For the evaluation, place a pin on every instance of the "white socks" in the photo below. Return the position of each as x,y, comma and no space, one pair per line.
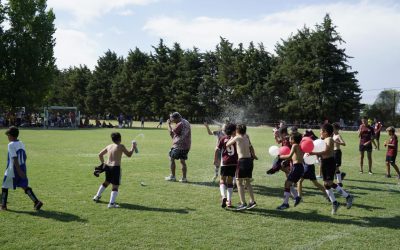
113,196
100,191
222,189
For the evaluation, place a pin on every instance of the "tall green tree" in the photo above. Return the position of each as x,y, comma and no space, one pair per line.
98,100
29,60
385,107
312,78
2,54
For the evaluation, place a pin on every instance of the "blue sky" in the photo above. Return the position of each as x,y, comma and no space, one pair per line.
88,28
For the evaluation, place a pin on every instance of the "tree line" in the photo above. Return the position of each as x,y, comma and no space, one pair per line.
307,76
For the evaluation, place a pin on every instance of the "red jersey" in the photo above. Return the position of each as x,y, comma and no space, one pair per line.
229,154
392,150
378,127
366,133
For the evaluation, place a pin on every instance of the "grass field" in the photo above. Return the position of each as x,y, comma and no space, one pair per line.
165,215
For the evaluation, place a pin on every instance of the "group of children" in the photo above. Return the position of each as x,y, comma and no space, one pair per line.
233,158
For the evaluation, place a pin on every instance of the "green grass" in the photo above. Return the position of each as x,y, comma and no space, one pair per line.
175,215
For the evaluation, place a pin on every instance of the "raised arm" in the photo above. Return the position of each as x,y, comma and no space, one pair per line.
231,141
126,152
208,128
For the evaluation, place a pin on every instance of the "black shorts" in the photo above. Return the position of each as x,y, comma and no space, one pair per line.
228,170
113,174
309,172
391,159
244,168
177,154
296,172
328,167
337,155
367,148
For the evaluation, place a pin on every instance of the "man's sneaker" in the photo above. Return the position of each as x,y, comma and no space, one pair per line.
283,206
370,172
241,207
37,205
3,208
349,201
335,207
361,172
113,205
96,198
223,202
170,178
252,205
229,204
297,201
183,180
343,175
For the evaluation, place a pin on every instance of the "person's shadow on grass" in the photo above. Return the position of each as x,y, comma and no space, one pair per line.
313,216
54,215
154,209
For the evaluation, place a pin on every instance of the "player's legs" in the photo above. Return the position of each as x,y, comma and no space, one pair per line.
388,169
242,197
396,168
172,166
113,196
369,155
362,161
300,187
101,189
320,187
4,197
229,183
249,188
184,168
37,203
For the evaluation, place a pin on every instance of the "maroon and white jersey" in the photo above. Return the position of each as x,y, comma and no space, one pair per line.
392,150
229,154
366,133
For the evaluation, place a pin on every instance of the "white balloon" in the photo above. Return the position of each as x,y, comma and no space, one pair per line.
319,146
273,150
310,159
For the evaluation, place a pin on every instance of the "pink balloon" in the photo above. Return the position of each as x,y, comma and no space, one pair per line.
307,146
306,138
285,150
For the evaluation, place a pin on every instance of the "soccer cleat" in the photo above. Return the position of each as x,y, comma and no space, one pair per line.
223,202
183,180
297,201
349,201
252,205
283,206
241,207
96,198
38,205
170,178
335,207
343,174
229,204
113,205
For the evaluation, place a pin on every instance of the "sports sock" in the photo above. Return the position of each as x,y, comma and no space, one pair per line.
286,195
330,194
101,190
341,191
230,191
31,195
4,196
339,177
293,190
222,189
113,196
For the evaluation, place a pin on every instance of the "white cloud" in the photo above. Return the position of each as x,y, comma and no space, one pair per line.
87,10
126,13
369,28
74,47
